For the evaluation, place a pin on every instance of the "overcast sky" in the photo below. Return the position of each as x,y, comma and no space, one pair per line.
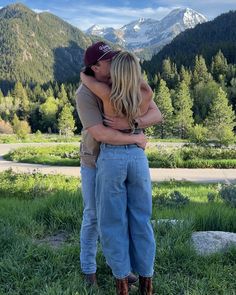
108,13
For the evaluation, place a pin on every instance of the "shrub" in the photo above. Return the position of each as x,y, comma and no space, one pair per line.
173,200
228,194
226,136
198,134
211,197
5,127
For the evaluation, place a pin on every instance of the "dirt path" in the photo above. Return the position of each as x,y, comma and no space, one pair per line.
157,174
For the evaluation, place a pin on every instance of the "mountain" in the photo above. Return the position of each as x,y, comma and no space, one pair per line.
150,33
38,47
205,39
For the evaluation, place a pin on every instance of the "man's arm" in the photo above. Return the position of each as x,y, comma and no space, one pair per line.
152,117
115,137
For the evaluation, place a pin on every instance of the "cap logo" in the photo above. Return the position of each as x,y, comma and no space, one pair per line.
104,48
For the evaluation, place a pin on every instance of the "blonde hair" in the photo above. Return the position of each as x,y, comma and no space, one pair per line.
125,92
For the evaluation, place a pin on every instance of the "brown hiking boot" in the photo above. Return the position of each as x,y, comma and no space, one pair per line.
122,286
91,279
145,285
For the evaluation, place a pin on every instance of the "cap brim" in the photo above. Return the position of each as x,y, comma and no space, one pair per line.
110,55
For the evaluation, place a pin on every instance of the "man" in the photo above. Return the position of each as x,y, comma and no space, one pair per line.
97,60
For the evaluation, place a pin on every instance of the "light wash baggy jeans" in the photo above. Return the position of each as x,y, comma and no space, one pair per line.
124,208
89,229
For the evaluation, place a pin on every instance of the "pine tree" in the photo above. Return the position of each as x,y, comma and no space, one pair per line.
203,94
221,118
185,75
169,73
183,110
62,96
219,66
66,122
20,95
163,100
200,72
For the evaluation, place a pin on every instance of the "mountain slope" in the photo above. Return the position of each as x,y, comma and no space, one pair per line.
38,47
205,39
150,33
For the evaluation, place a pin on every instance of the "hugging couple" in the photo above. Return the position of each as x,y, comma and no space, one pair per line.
115,104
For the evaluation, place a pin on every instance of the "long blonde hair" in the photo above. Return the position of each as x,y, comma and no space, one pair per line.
125,92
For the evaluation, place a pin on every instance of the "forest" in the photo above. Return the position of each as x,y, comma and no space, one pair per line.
197,103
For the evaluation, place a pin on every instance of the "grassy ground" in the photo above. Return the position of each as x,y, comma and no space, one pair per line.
159,157
35,206
13,138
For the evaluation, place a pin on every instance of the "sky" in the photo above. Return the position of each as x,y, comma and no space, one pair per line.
116,13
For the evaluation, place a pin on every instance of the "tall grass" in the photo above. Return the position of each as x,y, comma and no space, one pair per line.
27,267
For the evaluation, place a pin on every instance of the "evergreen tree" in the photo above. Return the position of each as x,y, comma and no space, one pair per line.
203,94
221,118
20,95
163,100
66,122
62,96
38,94
145,77
200,72
169,73
232,92
183,110
219,66
185,76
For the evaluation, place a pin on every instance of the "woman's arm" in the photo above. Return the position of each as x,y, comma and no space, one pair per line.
100,89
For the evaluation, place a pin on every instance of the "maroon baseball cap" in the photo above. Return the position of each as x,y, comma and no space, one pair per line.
98,51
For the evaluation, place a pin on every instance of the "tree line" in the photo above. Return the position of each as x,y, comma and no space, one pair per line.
48,109
197,103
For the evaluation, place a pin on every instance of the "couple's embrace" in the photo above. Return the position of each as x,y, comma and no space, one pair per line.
114,104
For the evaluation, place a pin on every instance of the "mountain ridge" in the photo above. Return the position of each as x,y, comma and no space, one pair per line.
144,33
39,47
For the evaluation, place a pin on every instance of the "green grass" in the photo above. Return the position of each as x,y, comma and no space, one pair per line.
29,268
64,155
159,157
13,138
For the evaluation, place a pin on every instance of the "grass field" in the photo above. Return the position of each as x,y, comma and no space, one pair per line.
36,206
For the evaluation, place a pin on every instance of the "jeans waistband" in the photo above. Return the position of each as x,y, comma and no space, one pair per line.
126,146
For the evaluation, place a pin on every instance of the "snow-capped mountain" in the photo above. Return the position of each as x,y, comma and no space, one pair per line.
145,32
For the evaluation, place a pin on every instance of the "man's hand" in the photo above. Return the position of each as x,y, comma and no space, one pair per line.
116,123
141,140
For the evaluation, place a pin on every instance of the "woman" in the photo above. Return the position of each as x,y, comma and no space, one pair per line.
123,185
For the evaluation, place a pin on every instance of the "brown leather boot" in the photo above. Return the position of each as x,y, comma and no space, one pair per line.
91,279
145,285
122,286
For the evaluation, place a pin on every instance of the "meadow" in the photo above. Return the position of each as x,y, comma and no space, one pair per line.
35,206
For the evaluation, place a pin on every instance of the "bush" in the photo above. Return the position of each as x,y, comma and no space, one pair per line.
173,200
5,127
212,196
228,194
198,134
226,136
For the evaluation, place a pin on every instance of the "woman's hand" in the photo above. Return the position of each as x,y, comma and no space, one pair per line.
116,123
